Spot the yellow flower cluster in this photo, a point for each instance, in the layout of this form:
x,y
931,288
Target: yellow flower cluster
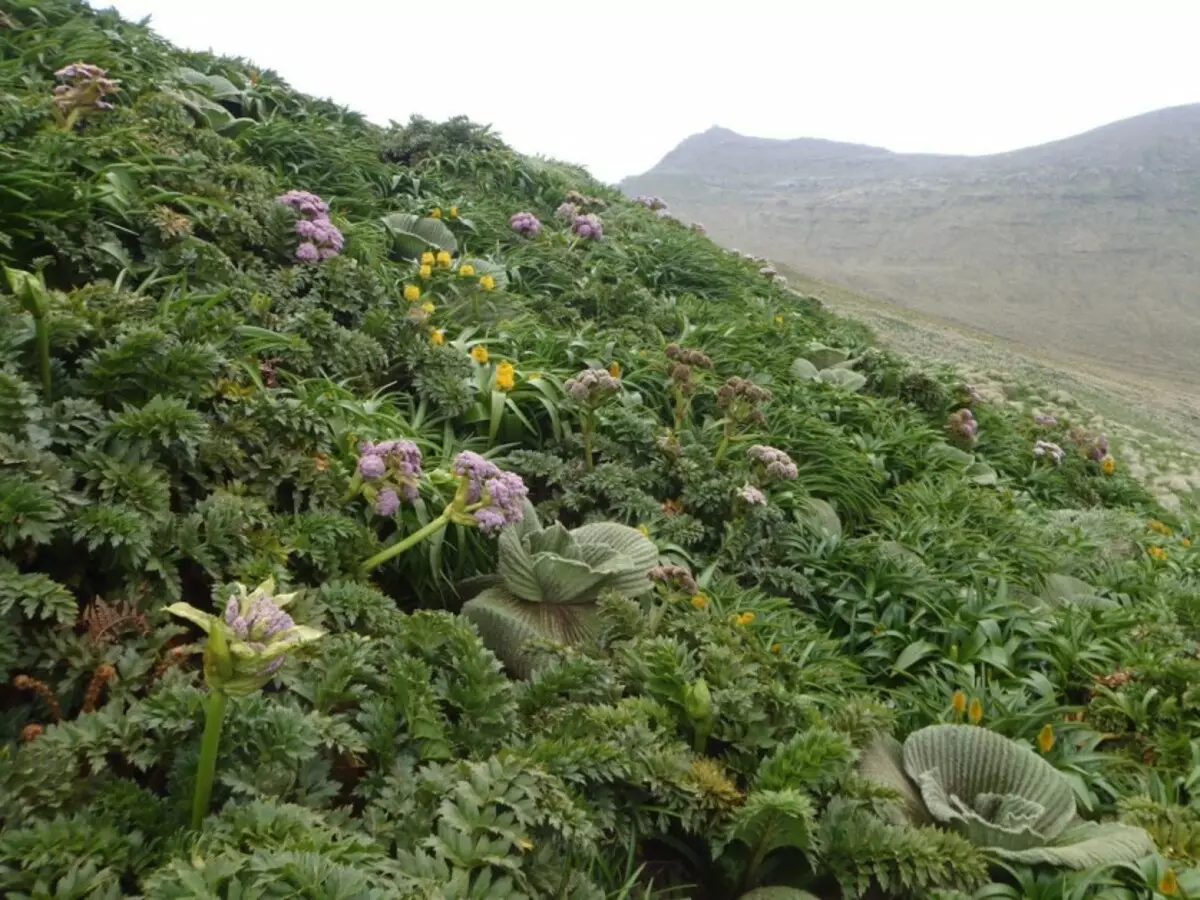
x,y
744,618
1109,465
1161,527
426,271
466,270
443,259
479,353
1045,738
700,601
412,293
487,282
506,376
614,369
437,336
974,709
1158,553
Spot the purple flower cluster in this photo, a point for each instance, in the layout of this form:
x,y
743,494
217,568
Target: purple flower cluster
x,y
566,211
83,87
588,226
503,492
1045,448
778,465
752,495
676,577
963,424
525,223
400,463
655,203
319,237
591,385
1044,420
261,621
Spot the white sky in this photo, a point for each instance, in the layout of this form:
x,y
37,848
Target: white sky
x,y
615,84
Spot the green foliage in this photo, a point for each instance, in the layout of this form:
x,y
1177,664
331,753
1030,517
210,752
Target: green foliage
x,y
208,395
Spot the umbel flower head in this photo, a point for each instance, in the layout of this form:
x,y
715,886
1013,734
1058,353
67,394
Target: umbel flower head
x,y
588,227
525,223
963,424
320,239
776,465
1046,448
566,211
488,497
592,386
82,90
393,471
248,644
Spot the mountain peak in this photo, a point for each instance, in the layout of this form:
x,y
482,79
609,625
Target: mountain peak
x,y
1086,244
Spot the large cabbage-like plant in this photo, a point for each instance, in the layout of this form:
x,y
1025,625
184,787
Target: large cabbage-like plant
x,y
548,582
1000,795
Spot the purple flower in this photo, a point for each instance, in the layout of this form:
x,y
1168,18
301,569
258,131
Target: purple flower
x,y
567,210
503,493
655,203
588,226
371,467
752,495
313,226
1045,448
777,465
525,223
387,502
261,621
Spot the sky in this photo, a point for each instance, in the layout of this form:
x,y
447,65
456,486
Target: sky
x,y
616,84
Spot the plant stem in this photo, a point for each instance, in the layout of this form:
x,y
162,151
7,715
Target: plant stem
x,y
415,538
42,333
214,718
588,426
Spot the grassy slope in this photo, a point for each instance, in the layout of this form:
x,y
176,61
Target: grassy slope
x,y
207,397
1083,246
1155,423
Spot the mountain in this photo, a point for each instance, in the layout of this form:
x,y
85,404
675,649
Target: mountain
x,y
1088,245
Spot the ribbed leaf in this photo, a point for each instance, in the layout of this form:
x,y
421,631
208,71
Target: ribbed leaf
x,y
630,542
883,763
823,357
565,581
506,624
961,770
843,378
415,234
1086,846
824,515
805,370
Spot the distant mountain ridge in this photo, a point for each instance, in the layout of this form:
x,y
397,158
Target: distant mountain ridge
x,y
1090,244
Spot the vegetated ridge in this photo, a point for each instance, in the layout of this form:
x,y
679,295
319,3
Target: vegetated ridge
x,y
1086,245
384,513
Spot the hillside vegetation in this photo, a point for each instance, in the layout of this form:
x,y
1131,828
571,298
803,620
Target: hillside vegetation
x,y
386,514
1085,246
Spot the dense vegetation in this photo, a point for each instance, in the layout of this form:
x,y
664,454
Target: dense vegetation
x,y
619,569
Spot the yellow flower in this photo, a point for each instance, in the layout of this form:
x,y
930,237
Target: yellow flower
x,y
959,702
466,270
428,307
426,271
427,258
505,376
487,282
479,353
454,212
1109,465
777,647
436,212
437,336
645,530
614,369
1169,883
1045,738
745,618
779,320
700,601
443,259
1158,553
1187,542
975,711
412,293
524,843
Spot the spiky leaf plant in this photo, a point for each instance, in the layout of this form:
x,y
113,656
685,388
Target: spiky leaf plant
x,y
1000,795
549,581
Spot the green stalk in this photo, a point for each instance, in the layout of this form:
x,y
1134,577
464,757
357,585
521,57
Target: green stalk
x,y
214,718
415,538
588,427
42,333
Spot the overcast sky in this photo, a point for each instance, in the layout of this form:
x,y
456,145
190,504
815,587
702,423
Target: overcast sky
x,y
615,84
